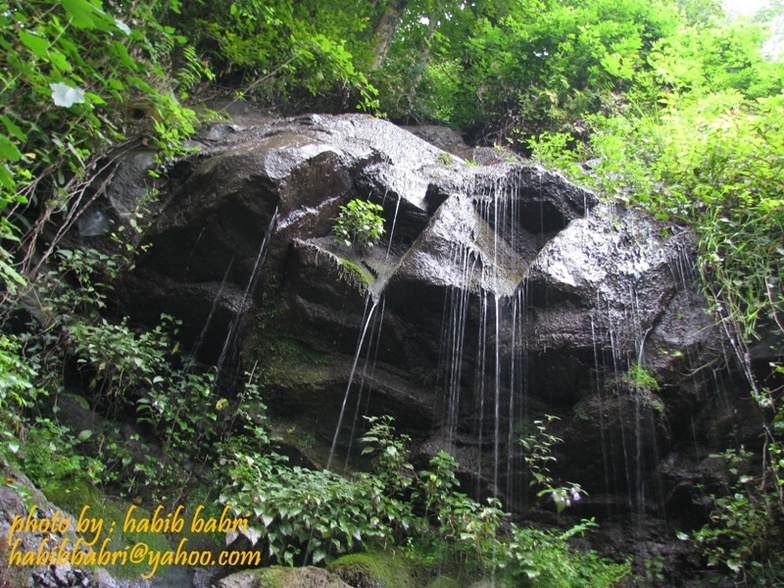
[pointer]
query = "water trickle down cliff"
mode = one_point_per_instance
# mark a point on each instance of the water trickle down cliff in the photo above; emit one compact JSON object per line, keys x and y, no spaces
{"x":499,"y":294}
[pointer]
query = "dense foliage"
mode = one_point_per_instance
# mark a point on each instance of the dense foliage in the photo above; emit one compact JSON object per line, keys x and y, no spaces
{"x":706,"y":154}
{"x":302,"y":515}
{"x":675,"y":106}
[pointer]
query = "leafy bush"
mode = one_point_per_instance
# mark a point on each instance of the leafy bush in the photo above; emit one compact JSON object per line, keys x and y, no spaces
{"x":49,"y":455}
{"x":706,"y":155}
{"x":359,"y":223}
{"x":544,"y":559}
{"x":285,"y":53}
{"x":304,"y":515}
{"x":746,"y":526}
{"x":299,"y":515}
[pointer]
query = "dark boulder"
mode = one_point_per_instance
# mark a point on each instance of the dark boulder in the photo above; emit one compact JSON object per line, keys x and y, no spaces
{"x":498,"y":294}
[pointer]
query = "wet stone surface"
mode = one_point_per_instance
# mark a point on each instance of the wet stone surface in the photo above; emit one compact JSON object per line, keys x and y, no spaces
{"x":497,"y":295}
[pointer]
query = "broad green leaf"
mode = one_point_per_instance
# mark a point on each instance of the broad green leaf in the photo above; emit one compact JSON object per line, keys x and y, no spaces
{"x":65,"y":95}
{"x":253,"y":535}
{"x":60,"y":61}
{"x":8,"y":150}
{"x":13,"y":128}
{"x":36,"y":44}
{"x":82,"y":13}
{"x":7,"y":178}
{"x":318,"y":555}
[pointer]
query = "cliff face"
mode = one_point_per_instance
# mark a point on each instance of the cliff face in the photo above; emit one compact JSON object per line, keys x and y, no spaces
{"x":499,"y":294}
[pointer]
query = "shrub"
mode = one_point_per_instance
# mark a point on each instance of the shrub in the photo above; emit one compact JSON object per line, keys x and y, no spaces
{"x":359,"y":224}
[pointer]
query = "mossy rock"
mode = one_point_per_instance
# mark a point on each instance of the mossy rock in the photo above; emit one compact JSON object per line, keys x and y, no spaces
{"x":376,"y":569}
{"x":80,"y":496}
{"x":282,"y":577}
{"x":444,"y":582}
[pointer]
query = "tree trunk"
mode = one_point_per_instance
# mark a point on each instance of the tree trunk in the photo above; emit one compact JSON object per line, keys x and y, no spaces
{"x":386,"y":27}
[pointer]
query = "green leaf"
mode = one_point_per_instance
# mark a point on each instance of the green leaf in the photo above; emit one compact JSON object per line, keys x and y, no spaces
{"x":13,"y":129}
{"x":85,"y":435}
{"x":65,"y":95}
{"x":81,"y":12}
{"x":318,"y":555}
{"x":7,"y":178}
{"x":8,"y":150}
{"x":36,"y":44}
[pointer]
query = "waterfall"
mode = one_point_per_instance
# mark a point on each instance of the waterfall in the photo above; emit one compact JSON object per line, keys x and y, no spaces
{"x":228,"y":350}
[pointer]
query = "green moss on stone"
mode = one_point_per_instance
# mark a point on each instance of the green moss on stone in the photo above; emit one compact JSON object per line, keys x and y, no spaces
{"x":376,"y":569}
{"x":80,"y":496}
{"x":355,"y":273}
{"x":444,"y":582}
{"x":283,"y":577}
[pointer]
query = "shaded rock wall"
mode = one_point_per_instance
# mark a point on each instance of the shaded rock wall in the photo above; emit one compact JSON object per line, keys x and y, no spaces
{"x":498,"y":294}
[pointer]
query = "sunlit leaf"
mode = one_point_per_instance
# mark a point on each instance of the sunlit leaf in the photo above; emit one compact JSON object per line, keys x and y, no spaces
{"x":81,"y":12}
{"x":36,"y":44}
{"x":13,"y":128}
{"x":8,"y":150}
{"x":7,"y":178}
{"x":252,"y":534}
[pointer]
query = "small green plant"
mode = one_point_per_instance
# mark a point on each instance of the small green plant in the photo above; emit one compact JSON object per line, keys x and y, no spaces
{"x":538,"y":455}
{"x":299,"y":515}
{"x":359,"y":223}
{"x":49,"y":456}
{"x":641,"y":378}
{"x":16,"y":391}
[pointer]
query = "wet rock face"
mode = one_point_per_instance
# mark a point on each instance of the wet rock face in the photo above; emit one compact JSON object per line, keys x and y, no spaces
{"x":498,"y":294}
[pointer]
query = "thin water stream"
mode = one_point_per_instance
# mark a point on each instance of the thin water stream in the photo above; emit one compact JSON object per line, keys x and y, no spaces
{"x":228,"y":350}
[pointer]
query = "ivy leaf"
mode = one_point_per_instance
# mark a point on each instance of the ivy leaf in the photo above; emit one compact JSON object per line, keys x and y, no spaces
{"x":318,"y":555}
{"x":65,"y":95}
{"x":252,"y":534}
{"x":231,"y":536}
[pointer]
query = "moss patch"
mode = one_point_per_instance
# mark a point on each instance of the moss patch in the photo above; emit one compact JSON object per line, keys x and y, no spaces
{"x":355,"y":274}
{"x":78,"y":496}
{"x":377,"y":569}
{"x":444,"y":582}
{"x":283,"y":577}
